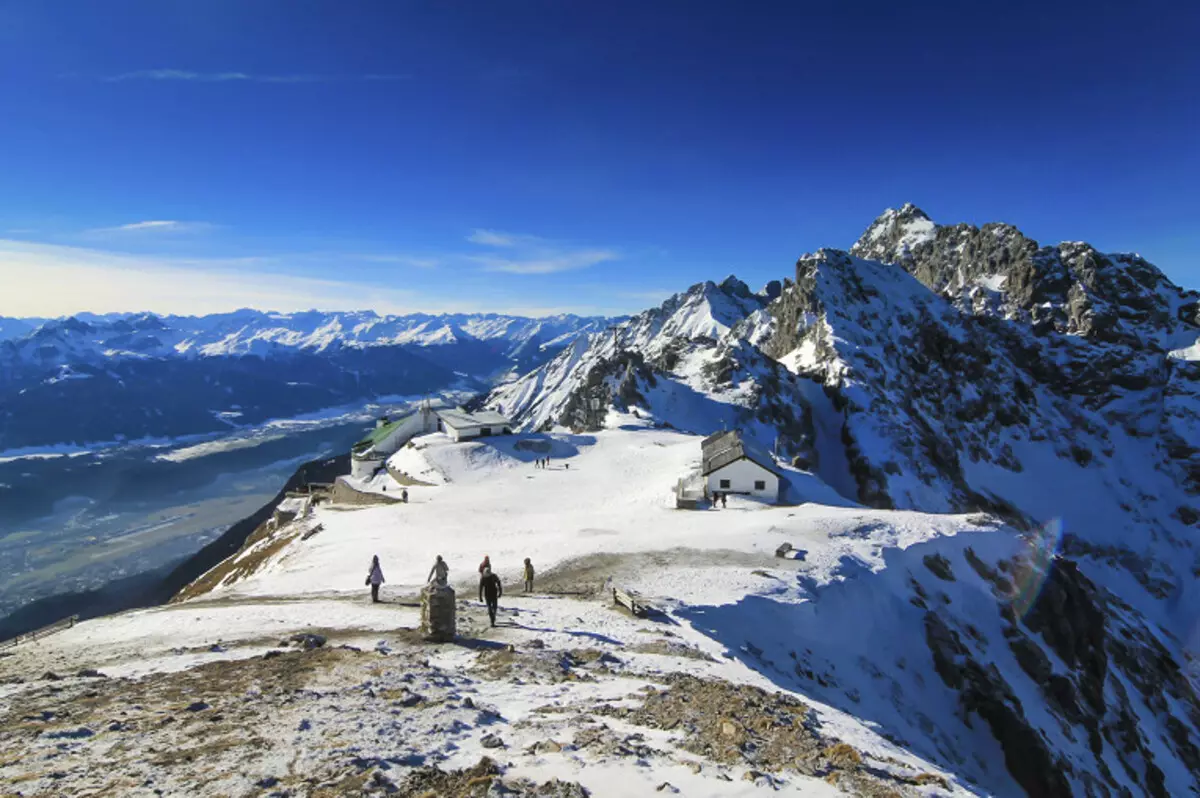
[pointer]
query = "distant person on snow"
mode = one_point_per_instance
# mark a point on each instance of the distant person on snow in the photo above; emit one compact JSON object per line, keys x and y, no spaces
{"x":528,"y":576}
{"x":404,"y":495}
{"x":723,"y":495}
{"x":485,"y":565}
{"x":439,"y":571}
{"x":490,"y":590}
{"x":375,"y":579}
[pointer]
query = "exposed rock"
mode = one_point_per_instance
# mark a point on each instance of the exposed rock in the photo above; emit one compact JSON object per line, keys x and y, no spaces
{"x":308,"y":641}
{"x":438,"y":609}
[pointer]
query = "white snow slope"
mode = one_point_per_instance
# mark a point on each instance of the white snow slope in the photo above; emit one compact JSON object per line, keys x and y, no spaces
{"x":933,"y":374}
{"x":604,"y":508}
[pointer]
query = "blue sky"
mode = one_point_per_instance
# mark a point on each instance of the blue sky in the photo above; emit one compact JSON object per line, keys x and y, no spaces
{"x":544,"y":156}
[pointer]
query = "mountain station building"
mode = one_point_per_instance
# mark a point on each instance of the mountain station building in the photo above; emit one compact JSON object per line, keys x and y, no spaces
{"x":368,"y":455}
{"x":731,"y":465}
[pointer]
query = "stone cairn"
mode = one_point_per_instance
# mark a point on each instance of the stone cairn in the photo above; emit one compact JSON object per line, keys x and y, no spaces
{"x":438,"y":613}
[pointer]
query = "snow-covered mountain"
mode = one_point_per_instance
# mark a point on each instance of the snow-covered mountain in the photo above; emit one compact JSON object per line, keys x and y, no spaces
{"x":254,"y":332}
{"x":954,"y":369}
{"x":98,"y":378}
{"x":991,"y":462}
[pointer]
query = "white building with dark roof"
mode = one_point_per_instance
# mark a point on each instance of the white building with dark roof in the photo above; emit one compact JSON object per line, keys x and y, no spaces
{"x":461,"y":425}
{"x":731,"y":465}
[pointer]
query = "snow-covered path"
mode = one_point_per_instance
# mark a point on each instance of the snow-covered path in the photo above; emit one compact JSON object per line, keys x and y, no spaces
{"x":610,"y":493}
{"x":603,"y":510}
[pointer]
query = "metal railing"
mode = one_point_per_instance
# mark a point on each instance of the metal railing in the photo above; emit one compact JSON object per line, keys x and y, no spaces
{"x":37,"y":634}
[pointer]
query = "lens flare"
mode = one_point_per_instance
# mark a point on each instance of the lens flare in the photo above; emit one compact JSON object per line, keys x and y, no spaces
{"x":1033,"y":566}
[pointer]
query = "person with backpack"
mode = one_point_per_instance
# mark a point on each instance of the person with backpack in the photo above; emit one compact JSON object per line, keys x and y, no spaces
{"x":528,"y":576}
{"x":375,"y":579}
{"x":490,"y":591}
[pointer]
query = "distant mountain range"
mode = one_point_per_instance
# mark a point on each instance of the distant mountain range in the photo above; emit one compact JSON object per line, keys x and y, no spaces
{"x":124,"y":376}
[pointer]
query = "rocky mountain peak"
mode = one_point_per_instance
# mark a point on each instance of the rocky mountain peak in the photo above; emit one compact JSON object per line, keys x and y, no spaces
{"x":894,"y":234}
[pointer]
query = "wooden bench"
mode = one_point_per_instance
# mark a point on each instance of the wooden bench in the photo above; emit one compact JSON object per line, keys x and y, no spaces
{"x":632,"y":602}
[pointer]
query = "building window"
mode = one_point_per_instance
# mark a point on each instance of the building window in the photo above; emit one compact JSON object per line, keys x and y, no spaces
{"x":485,"y":431}
{"x":760,"y":484}
{"x":724,"y":484}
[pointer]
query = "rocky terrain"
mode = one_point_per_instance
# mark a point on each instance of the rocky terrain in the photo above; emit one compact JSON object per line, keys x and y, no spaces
{"x":986,"y":450}
{"x":955,"y":368}
{"x":342,"y":713}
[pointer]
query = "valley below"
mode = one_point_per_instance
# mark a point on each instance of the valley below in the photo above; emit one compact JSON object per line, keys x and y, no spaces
{"x":79,"y":519}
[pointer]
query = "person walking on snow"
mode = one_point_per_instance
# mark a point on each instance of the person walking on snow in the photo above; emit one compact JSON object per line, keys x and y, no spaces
{"x":404,"y":495}
{"x":375,"y":579}
{"x":439,"y":571}
{"x":485,"y":565}
{"x":528,"y":576}
{"x":490,"y":590}
{"x":723,"y":495}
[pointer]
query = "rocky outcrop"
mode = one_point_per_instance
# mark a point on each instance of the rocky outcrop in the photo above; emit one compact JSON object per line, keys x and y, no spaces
{"x":971,"y":368}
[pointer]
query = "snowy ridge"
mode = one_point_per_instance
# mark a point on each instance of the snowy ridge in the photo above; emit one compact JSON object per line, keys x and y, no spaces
{"x":991,"y":458}
{"x":960,"y":368}
{"x":172,"y":376}
{"x":686,"y":364}
{"x":252,"y":332}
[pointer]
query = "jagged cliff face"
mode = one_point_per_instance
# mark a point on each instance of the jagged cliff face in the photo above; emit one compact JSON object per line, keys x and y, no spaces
{"x":690,"y":363}
{"x":960,"y":368}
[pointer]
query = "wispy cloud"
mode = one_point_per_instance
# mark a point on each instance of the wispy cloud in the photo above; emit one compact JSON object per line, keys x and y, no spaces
{"x":533,"y":254}
{"x":562,"y":262}
{"x":495,"y":238}
{"x":49,"y":280}
{"x":399,"y":260}
{"x":54,"y":280}
{"x":252,"y":77}
{"x":154,"y":226}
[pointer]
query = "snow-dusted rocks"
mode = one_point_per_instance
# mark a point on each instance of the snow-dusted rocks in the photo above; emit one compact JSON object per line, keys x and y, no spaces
{"x":991,"y":453}
{"x":959,"y":368}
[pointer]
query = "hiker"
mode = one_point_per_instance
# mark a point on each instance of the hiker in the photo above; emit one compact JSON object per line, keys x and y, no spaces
{"x":439,"y":571}
{"x":485,"y":565}
{"x":491,"y":590}
{"x":568,"y":466}
{"x":404,"y":495}
{"x":375,"y":579}
{"x":528,"y":576}
{"x":716,"y":499}
{"x":723,"y":495}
